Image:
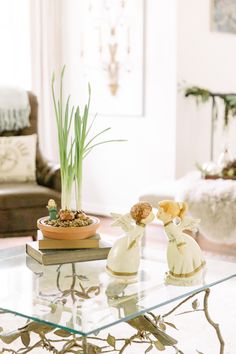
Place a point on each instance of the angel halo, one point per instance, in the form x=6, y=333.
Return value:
x=185, y=259
x=124, y=257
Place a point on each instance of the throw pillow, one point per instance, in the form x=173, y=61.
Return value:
x=18, y=158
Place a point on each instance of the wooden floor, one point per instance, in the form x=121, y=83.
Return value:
x=155, y=236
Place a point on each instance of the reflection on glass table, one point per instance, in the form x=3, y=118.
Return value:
x=82, y=298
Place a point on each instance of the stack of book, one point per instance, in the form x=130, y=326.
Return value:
x=48, y=251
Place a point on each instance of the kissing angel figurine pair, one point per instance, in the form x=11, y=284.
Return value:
x=184, y=256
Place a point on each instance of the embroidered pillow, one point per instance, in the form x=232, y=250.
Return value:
x=18, y=158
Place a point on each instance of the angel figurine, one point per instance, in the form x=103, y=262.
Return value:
x=184, y=256
x=124, y=257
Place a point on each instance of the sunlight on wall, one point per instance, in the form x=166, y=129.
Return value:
x=15, y=69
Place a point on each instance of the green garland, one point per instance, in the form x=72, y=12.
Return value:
x=204, y=95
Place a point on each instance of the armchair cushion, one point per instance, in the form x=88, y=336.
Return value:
x=28, y=195
x=21, y=204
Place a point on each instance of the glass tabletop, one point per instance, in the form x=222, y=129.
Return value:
x=82, y=298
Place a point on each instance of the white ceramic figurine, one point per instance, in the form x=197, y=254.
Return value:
x=184, y=256
x=124, y=257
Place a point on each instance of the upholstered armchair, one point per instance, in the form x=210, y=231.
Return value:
x=22, y=203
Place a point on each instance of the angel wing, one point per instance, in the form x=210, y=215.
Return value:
x=188, y=223
x=124, y=221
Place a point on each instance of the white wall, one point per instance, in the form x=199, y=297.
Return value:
x=160, y=145
x=206, y=59
x=115, y=174
x=15, y=66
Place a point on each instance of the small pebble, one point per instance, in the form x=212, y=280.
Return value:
x=81, y=220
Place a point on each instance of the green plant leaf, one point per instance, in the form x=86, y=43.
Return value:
x=10, y=337
x=162, y=326
x=111, y=340
x=171, y=325
x=38, y=327
x=159, y=346
x=88, y=150
x=94, y=349
x=198, y=93
x=149, y=349
x=64, y=119
x=90, y=127
x=62, y=333
x=195, y=304
x=25, y=338
x=95, y=136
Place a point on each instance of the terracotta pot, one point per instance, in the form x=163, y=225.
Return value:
x=68, y=233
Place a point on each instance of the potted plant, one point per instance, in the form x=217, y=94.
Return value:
x=75, y=142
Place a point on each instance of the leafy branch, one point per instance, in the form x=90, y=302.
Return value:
x=74, y=344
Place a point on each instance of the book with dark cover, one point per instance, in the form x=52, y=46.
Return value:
x=50, y=257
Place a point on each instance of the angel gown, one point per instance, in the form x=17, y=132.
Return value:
x=124, y=257
x=184, y=257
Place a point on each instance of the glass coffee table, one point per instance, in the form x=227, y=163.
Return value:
x=74, y=302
